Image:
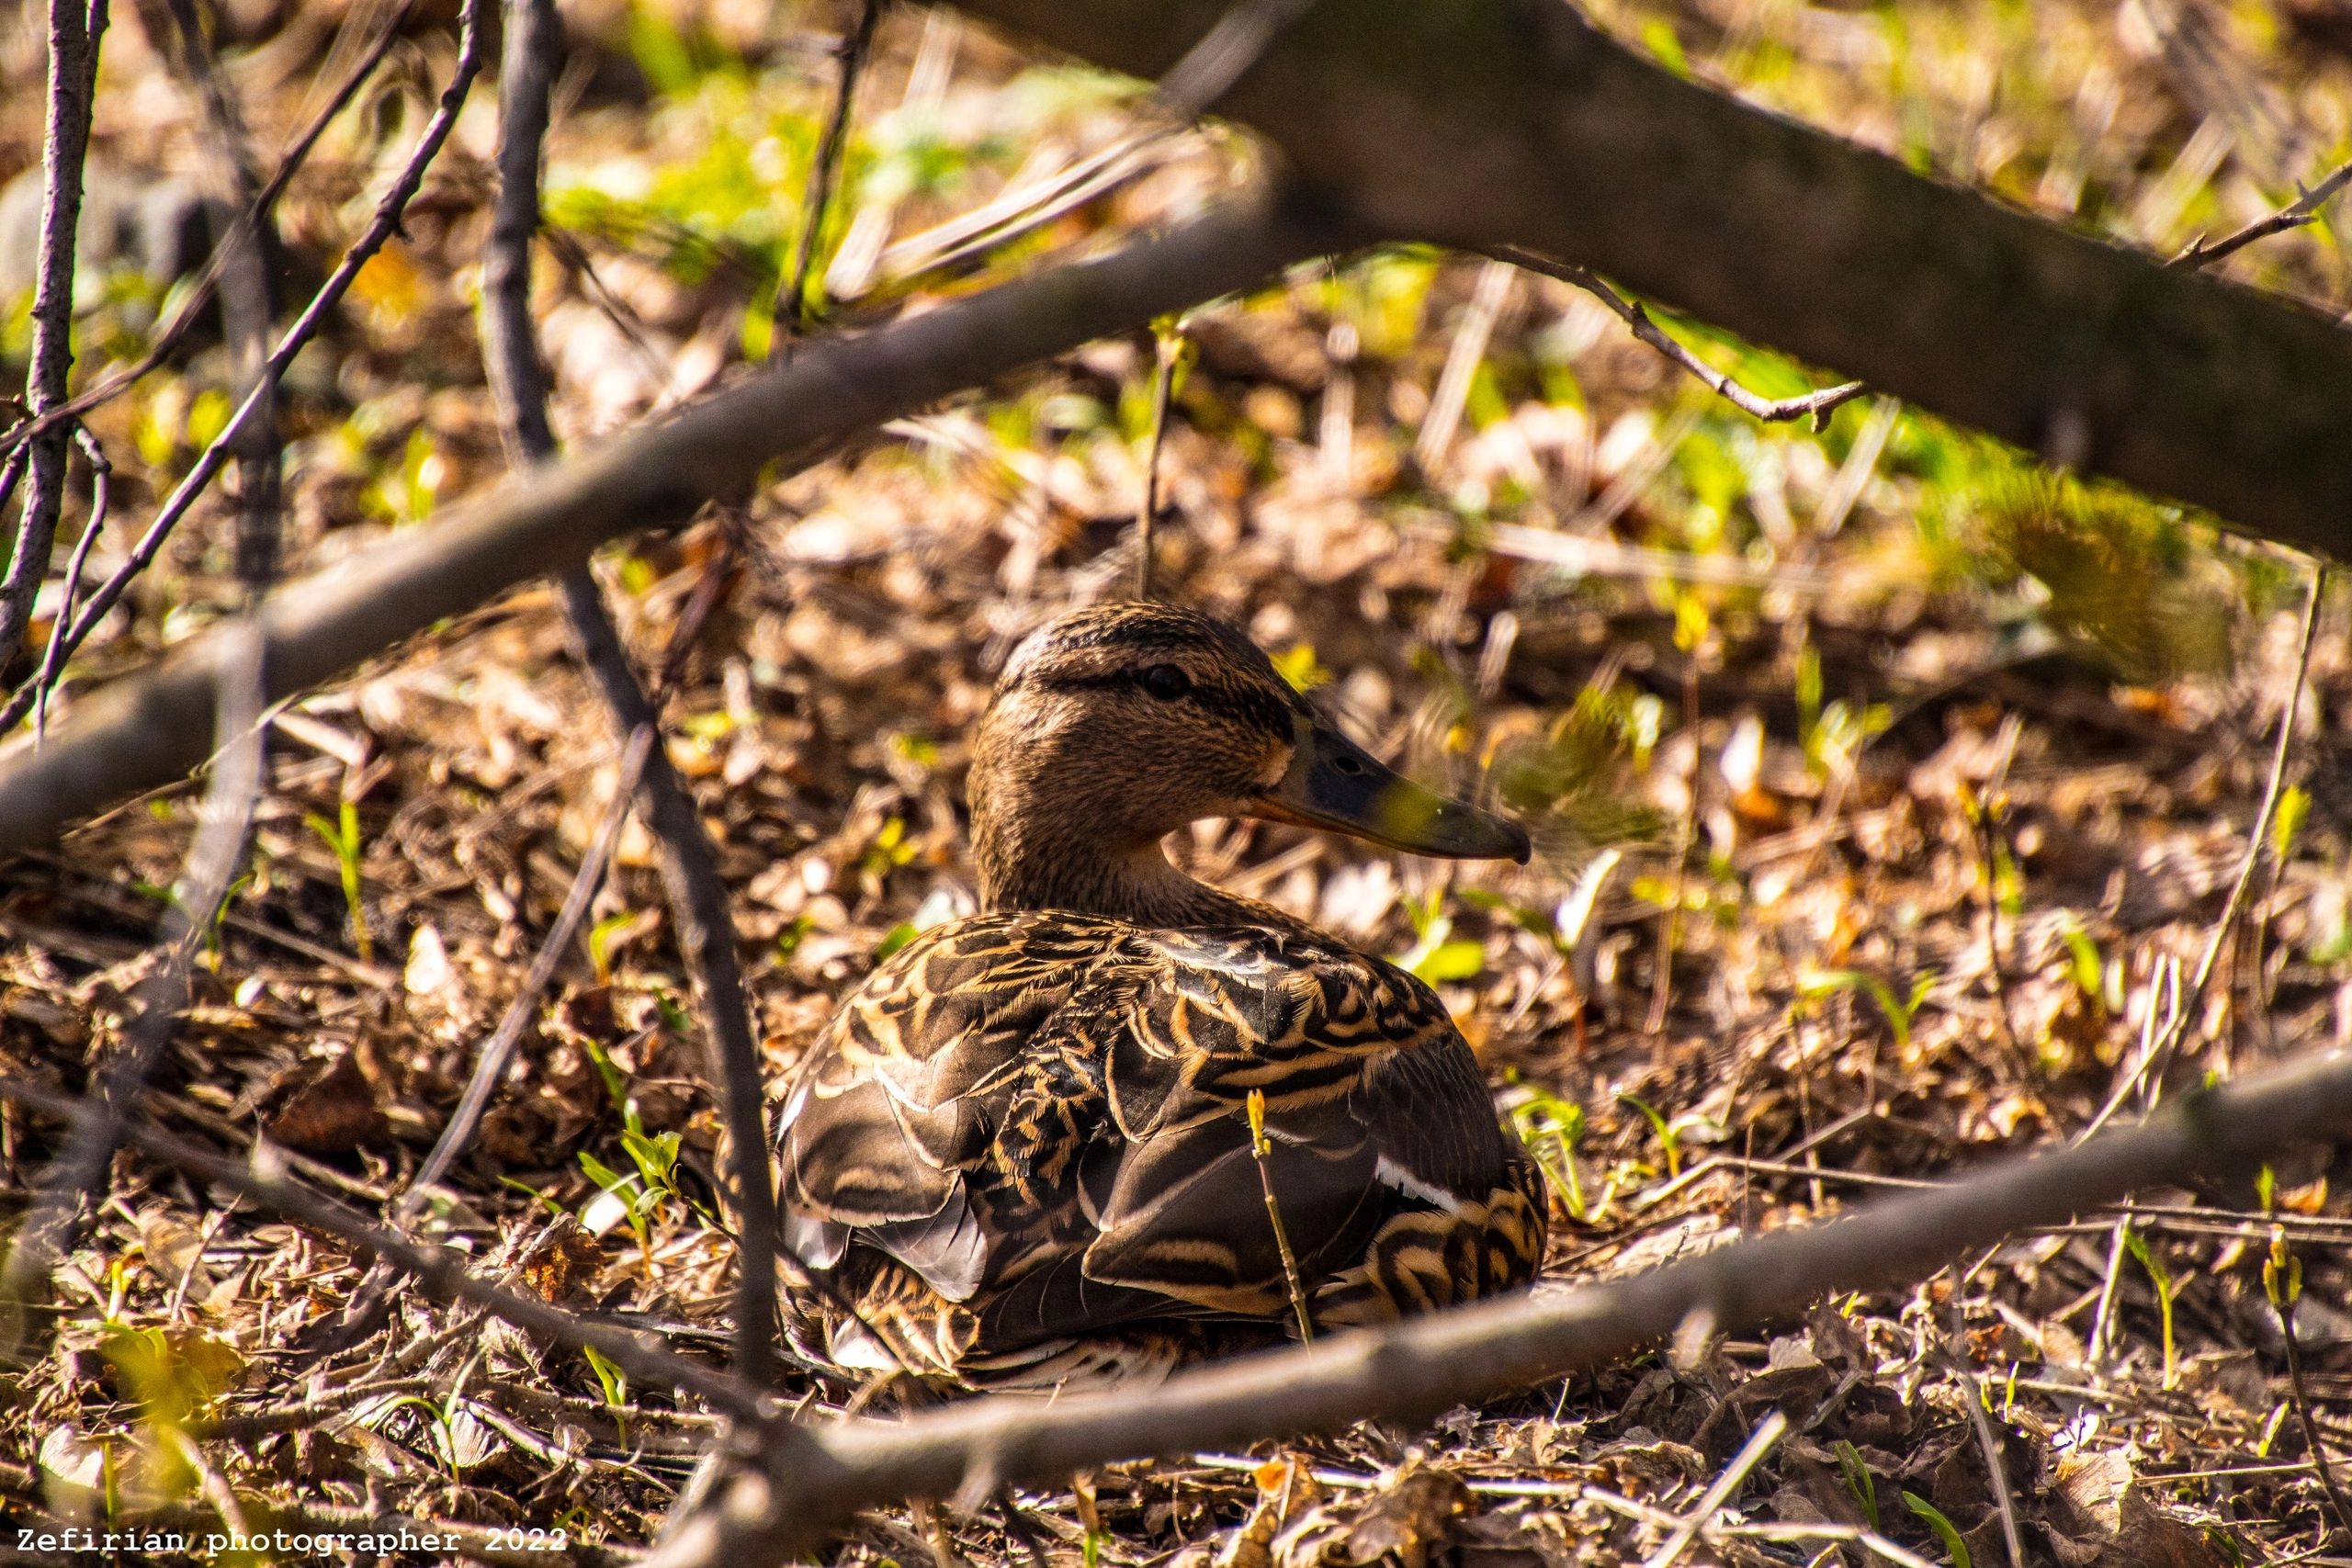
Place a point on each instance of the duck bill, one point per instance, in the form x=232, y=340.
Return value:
x=1336, y=785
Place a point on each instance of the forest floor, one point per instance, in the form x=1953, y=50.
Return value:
x=1888, y=794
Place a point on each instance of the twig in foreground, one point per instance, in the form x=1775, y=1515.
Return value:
x=698, y=906
x=80, y=1169
x=2283, y=1281
x=1167, y=346
x=2150, y=1059
x=1703, y=1513
x=2302, y=211
x=199, y=293
x=1260, y=1151
x=1985, y=1439
x=74, y=34
x=490, y=1067
x=380, y=228
x=1817, y=406
x=791, y=307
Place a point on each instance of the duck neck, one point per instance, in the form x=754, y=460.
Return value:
x=1024, y=865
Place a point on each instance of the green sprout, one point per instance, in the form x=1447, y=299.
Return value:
x=1432, y=958
x=1858, y=1482
x=1944, y=1529
x=615, y=1383
x=1832, y=734
x=2167, y=1294
x=1668, y=1136
x=1544, y=1120
x=341, y=836
x=601, y=942
x=1898, y=1010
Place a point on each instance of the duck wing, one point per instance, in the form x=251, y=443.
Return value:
x=1030, y=1127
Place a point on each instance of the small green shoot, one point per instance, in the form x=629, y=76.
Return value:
x=1432, y=958
x=795, y=933
x=1668, y=1138
x=341, y=836
x=887, y=853
x=1544, y=1119
x=554, y=1209
x=1898, y=1010
x=601, y=944
x=2167, y=1294
x=1298, y=665
x=1944, y=1529
x=615, y=1383
x=2294, y=807
x=1858, y=1482
x=2282, y=1275
x=2266, y=1189
x=1832, y=734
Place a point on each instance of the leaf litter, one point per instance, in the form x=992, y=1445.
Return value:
x=1896, y=783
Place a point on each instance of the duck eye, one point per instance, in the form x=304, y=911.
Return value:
x=1166, y=681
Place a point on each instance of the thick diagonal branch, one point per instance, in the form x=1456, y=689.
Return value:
x=1516, y=123
x=134, y=734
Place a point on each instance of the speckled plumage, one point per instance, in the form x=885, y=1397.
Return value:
x=1021, y=1155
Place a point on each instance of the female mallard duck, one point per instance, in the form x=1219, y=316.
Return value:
x=1022, y=1153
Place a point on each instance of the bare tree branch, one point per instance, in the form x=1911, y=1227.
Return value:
x=1409, y=1372
x=473, y=28
x=133, y=733
x=698, y=912
x=1517, y=123
x=75, y=29
x=2294, y=215
x=199, y=291
x=1816, y=406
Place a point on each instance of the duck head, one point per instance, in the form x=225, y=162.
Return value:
x=1115, y=725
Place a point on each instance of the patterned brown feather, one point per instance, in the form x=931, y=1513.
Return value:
x=1027, y=1128
x=1021, y=1154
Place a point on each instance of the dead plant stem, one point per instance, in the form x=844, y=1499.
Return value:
x=2152, y=1061
x=1166, y=348
x=791, y=306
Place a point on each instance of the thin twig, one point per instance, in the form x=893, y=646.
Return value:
x=1260, y=1150
x=2302, y=211
x=1703, y=1512
x=1817, y=406
x=52, y=656
x=381, y=227
x=490, y=1067
x=2152, y=1059
x=1995, y=1468
x=698, y=900
x=2283, y=1302
x=791, y=306
x=44, y=1236
x=1168, y=348
x=74, y=30
x=2103, y=1315
x=199, y=290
